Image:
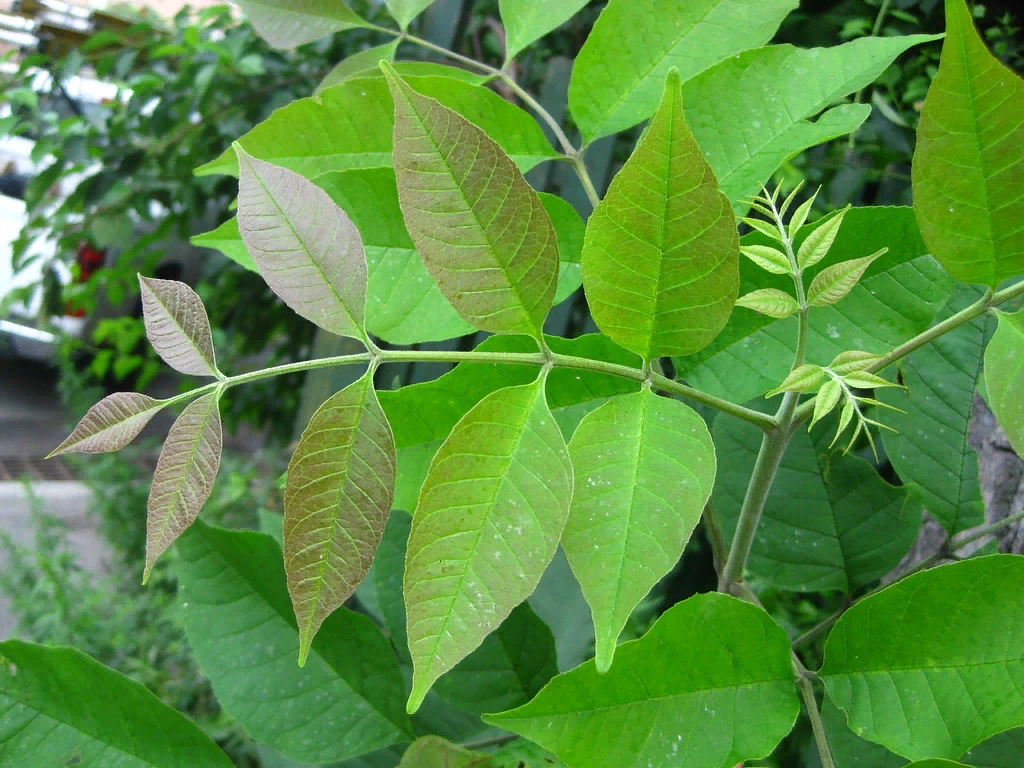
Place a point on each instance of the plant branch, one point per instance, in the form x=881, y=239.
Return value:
x=949, y=324
x=876, y=28
x=804, y=681
x=823, y=626
x=719, y=549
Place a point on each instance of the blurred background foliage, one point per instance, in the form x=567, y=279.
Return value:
x=199, y=81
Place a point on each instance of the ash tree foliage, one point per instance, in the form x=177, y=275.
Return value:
x=392, y=206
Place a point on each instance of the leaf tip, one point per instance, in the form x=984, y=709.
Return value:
x=415, y=700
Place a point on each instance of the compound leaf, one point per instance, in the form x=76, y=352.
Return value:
x=661, y=254
x=228, y=240
x=619, y=74
x=341, y=482
x=686, y=693
x=932, y=665
x=306, y=248
x=184, y=475
x=1004, y=363
x=644, y=467
x=481, y=230
x=177, y=326
x=929, y=447
x=345, y=702
x=58, y=707
x=968, y=169
x=289, y=23
x=529, y=20
x=830, y=521
x=490, y=514
x=111, y=424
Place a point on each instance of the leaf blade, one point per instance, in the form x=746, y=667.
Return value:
x=832, y=284
x=111, y=424
x=529, y=20
x=661, y=260
x=340, y=486
x=1004, y=359
x=304, y=245
x=644, y=468
x=289, y=23
x=769, y=301
x=177, y=326
x=481, y=230
x=404, y=11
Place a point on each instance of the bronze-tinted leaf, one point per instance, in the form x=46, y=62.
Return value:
x=177, y=326
x=111, y=424
x=304, y=245
x=184, y=475
x=341, y=481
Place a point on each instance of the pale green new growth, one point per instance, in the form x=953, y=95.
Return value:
x=1004, y=376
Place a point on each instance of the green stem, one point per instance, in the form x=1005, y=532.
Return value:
x=719, y=549
x=804, y=678
x=823, y=626
x=962, y=317
x=883, y=11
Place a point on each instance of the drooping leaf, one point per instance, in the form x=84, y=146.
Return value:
x=687, y=693
x=529, y=20
x=341, y=482
x=228, y=240
x=58, y=707
x=177, y=326
x=404, y=11
x=289, y=23
x=895, y=300
x=488, y=521
x=618, y=76
x=435, y=752
x=661, y=254
x=481, y=230
x=285, y=137
x=644, y=467
x=306, y=248
x=830, y=521
x=968, y=169
x=832, y=284
x=769, y=301
x=1004, y=363
x=358, y=63
x=929, y=447
x=745, y=135
x=348, y=698
x=111, y=424
x=184, y=475
x=424, y=414
x=932, y=665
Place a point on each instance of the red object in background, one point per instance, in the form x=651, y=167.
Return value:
x=89, y=260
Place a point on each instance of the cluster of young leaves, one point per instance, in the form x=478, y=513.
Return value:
x=535, y=443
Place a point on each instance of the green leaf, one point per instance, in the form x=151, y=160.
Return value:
x=177, y=326
x=804, y=378
x=346, y=701
x=289, y=23
x=111, y=424
x=227, y=239
x=644, y=468
x=894, y=301
x=661, y=255
x=284, y=138
x=184, y=475
x=435, y=752
x=306, y=248
x=929, y=447
x=524, y=754
x=853, y=360
x=341, y=482
x=769, y=301
x=932, y=665
x=529, y=20
x=404, y=11
x=489, y=518
x=830, y=521
x=481, y=230
x=1001, y=751
x=968, y=169
x=828, y=398
x=832, y=284
x=618, y=76
x=358, y=63
x=816, y=245
x=936, y=763
x=423, y=415
x=746, y=136
x=766, y=257
x=58, y=707
x=687, y=693
x=1004, y=362
x=386, y=574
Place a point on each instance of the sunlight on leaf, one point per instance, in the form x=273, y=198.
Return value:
x=359, y=63
x=177, y=326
